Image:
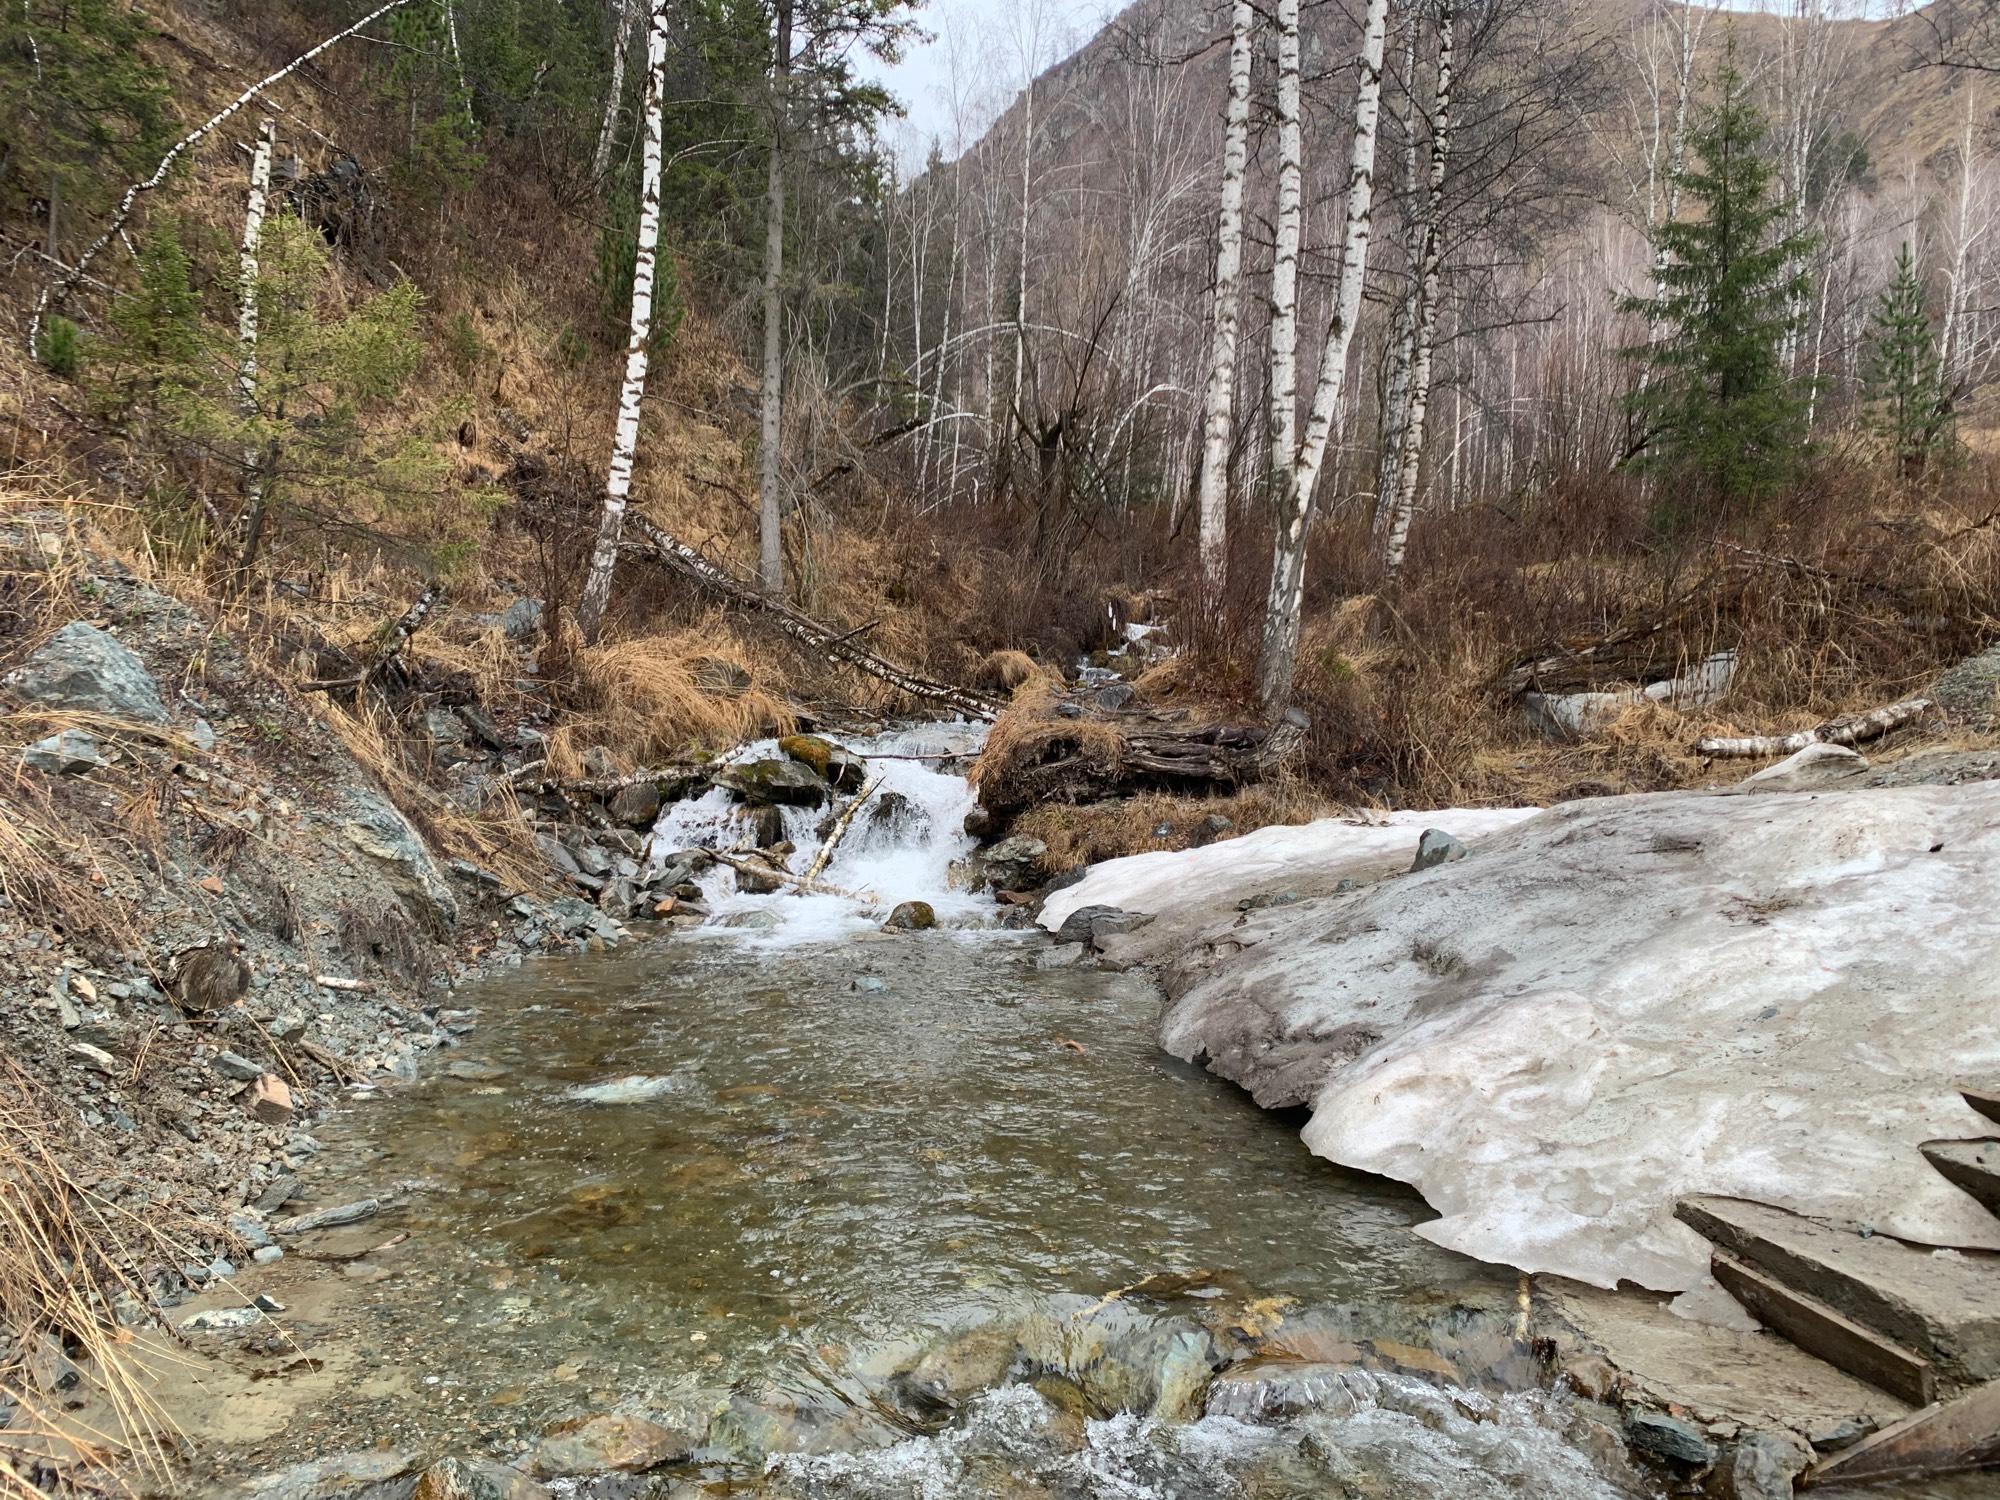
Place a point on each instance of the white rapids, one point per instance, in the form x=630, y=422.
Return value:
x=902, y=845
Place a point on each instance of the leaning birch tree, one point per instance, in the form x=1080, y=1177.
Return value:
x=1279, y=657
x=596, y=596
x=607, y=131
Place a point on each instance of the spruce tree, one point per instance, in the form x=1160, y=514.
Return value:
x=1904, y=378
x=1725, y=423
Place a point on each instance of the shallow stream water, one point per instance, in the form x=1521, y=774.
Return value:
x=904, y=1215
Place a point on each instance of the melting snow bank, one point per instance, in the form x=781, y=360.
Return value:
x=1389, y=1434
x=1609, y=1006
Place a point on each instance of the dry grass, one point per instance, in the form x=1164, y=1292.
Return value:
x=1030, y=732
x=1078, y=835
x=655, y=697
x=68, y=1262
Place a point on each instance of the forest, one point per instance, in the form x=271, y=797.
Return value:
x=1670, y=328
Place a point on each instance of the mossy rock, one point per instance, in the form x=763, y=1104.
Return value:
x=911, y=916
x=808, y=749
x=766, y=783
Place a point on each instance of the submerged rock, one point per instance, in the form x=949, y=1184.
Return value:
x=345, y=1476
x=635, y=1088
x=607, y=1444
x=476, y=1479
x=1273, y=1390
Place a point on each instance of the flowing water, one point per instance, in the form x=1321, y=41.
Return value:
x=904, y=1215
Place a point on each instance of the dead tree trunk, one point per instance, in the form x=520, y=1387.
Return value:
x=625, y=440
x=1218, y=427
x=1280, y=654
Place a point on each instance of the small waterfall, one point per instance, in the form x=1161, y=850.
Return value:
x=901, y=846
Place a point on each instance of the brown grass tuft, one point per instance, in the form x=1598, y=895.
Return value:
x=1096, y=831
x=657, y=696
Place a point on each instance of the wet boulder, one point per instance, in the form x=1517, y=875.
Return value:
x=476, y=1479
x=911, y=916
x=955, y=1371
x=841, y=769
x=771, y=783
x=83, y=668
x=1012, y=864
x=635, y=806
x=607, y=1444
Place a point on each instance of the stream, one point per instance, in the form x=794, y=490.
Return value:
x=903, y=1215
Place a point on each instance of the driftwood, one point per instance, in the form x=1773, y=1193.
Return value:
x=839, y=830
x=840, y=646
x=804, y=884
x=603, y=786
x=1844, y=731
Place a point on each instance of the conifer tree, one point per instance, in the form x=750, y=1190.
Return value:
x=1724, y=421
x=1904, y=377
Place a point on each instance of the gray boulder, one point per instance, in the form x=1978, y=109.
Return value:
x=1089, y=924
x=385, y=836
x=769, y=783
x=1812, y=769
x=1435, y=848
x=1970, y=691
x=70, y=753
x=84, y=669
x=372, y=1474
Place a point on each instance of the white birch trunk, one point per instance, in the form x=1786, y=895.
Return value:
x=1218, y=414
x=1289, y=228
x=247, y=277
x=770, y=454
x=1288, y=564
x=596, y=598
x=457, y=58
x=607, y=133
x=1425, y=324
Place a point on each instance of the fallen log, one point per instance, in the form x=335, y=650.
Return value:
x=1849, y=730
x=839, y=830
x=836, y=645
x=1038, y=753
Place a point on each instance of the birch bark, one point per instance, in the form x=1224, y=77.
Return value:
x=596, y=596
x=607, y=133
x=1288, y=229
x=1218, y=402
x=1425, y=322
x=1280, y=653
x=770, y=496
x=247, y=278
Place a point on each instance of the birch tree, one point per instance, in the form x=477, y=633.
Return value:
x=1288, y=230
x=596, y=596
x=248, y=277
x=1286, y=600
x=1424, y=315
x=621, y=43
x=771, y=418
